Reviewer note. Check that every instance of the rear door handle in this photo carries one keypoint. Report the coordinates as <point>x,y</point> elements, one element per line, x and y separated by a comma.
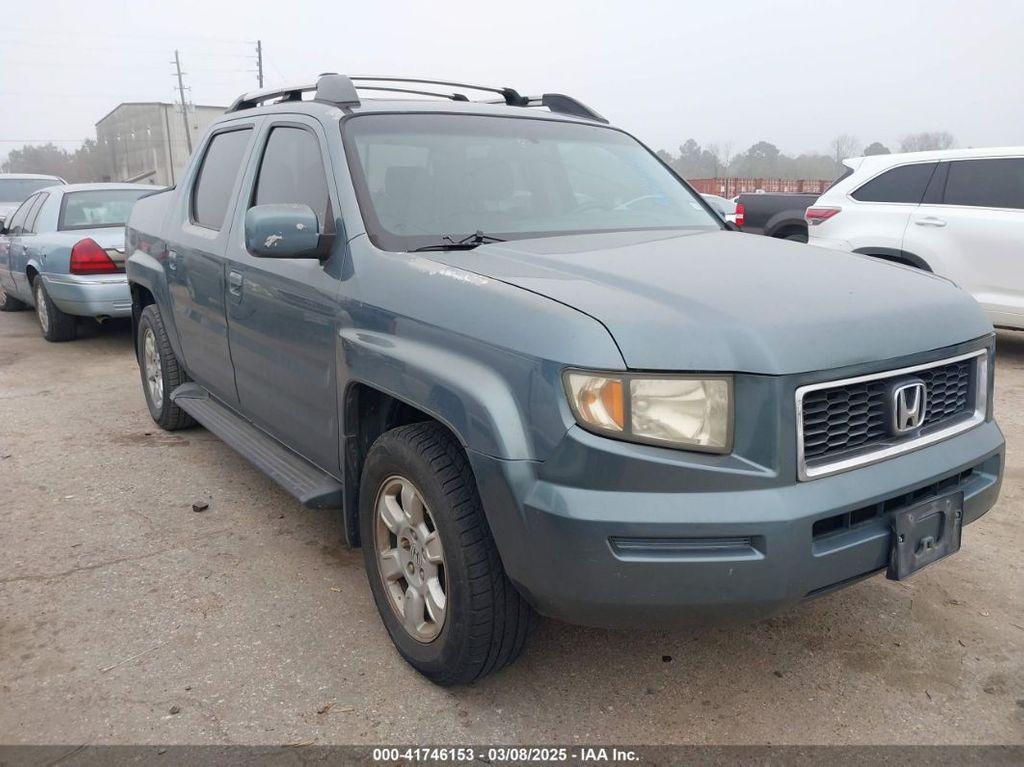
<point>930,221</point>
<point>235,283</point>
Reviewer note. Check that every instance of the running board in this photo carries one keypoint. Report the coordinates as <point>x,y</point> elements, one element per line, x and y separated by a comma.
<point>294,473</point>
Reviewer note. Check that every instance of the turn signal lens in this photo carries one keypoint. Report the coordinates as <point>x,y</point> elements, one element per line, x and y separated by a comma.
<point>599,402</point>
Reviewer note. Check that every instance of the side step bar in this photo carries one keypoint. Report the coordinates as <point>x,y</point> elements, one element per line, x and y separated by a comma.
<point>294,473</point>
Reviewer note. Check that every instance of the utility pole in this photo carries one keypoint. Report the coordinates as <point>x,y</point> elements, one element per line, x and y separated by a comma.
<point>259,62</point>
<point>184,106</point>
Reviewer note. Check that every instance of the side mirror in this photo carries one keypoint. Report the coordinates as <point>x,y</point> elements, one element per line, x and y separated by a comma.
<point>285,231</point>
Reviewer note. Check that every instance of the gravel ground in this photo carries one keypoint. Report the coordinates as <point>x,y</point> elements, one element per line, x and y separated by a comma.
<point>126,617</point>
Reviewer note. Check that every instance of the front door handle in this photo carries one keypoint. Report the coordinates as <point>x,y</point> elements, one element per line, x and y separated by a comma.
<point>930,221</point>
<point>235,283</point>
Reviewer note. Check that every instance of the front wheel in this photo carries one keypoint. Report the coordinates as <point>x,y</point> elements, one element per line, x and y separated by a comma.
<point>161,371</point>
<point>55,324</point>
<point>433,567</point>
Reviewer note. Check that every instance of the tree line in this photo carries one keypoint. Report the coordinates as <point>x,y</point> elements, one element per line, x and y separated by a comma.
<point>717,160</point>
<point>765,160</point>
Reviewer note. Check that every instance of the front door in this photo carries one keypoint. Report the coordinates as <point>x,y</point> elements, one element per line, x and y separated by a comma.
<point>282,313</point>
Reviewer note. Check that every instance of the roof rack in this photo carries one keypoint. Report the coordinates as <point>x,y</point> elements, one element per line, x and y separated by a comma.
<point>342,90</point>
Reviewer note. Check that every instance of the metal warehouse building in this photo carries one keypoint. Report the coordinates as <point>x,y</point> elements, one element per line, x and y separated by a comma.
<point>147,142</point>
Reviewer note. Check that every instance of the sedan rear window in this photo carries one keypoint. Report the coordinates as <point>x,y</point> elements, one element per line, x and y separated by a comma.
<point>97,208</point>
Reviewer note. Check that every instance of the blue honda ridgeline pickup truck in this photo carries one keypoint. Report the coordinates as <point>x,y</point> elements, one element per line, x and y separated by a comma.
<point>537,374</point>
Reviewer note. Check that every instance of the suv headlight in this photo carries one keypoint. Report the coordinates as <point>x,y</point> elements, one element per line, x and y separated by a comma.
<point>688,412</point>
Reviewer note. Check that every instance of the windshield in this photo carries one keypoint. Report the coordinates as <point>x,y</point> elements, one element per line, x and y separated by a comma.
<point>19,189</point>
<point>430,179</point>
<point>106,207</point>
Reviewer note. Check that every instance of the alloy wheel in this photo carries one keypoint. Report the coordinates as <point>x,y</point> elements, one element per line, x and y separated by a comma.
<point>410,559</point>
<point>152,368</point>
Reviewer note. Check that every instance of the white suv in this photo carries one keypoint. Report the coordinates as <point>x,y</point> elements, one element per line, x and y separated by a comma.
<point>958,213</point>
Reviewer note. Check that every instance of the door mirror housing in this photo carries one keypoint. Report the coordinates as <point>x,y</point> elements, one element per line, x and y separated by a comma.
<point>285,231</point>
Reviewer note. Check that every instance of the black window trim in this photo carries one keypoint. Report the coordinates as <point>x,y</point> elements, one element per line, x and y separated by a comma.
<point>889,168</point>
<point>948,163</point>
<point>194,182</point>
<point>329,226</point>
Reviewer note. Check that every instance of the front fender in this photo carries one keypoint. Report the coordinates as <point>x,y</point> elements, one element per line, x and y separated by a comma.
<point>475,400</point>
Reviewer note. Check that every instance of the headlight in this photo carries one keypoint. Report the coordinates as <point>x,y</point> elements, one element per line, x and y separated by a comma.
<point>689,412</point>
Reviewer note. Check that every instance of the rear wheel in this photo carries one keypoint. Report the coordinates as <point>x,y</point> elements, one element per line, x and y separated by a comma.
<point>432,564</point>
<point>55,324</point>
<point>161,372</point>
<point>9,303</point>
<point>797,237</point>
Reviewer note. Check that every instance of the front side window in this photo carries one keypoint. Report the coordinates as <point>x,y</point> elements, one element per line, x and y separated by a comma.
<point>216,180</point>
<point>903,184</point>
<point>97,208</point>
<point>292,172</point>
<point>995,183</point>
<point>428,179</point>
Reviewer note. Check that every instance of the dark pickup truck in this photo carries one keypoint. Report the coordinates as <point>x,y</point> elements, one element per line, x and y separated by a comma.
<point>776,215</point>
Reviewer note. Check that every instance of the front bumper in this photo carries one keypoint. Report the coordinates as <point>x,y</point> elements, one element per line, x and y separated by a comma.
<point>100,295</point>
<point>599,556</point>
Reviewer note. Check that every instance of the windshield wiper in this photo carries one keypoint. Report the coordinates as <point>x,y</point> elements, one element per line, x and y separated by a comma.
<point>466,243</point>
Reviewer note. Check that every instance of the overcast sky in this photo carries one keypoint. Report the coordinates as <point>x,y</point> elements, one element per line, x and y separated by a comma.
<point>793,73</point>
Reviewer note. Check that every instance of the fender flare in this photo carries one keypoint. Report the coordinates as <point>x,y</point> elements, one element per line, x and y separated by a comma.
<point>147,272</point>
<point>471,399</point>
<point>897,255</point>
<point>782,220</point>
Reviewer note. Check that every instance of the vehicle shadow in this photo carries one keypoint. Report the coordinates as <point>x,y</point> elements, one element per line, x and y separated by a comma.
<point>1010,346</point>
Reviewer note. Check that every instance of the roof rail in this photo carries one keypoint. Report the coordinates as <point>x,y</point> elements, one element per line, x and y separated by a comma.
<point>343,90</point>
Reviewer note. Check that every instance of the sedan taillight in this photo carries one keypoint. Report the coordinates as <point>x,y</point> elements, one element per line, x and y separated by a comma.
<point>87,257</point>
<point>815,216</point>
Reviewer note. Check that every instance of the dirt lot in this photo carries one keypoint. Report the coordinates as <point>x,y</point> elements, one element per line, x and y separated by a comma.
<point>253,622</point>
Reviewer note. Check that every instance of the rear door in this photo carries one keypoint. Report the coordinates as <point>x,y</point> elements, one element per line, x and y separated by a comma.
<point>196,246</point>
<point>885,204</point>
<point>282,313</point>
<point>15,256</point>
<point>973,233</point>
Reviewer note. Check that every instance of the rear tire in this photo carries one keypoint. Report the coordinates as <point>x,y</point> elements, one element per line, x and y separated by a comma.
<point>57,326</point>
<point>797,237</point>
<point>9,303</point>
<point>161,372</point>
<point>417,479</point>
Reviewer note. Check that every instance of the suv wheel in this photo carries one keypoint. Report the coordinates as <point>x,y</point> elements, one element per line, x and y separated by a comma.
<point>161,372</point>
<point>433,567</point>
<point>9,303</point>
<point>56,325</point>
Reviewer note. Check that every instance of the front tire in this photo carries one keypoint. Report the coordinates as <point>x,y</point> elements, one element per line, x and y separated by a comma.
<point>9,303</point>
<point>161,372</point>
<point>433,566</point>
<point>57,326</point>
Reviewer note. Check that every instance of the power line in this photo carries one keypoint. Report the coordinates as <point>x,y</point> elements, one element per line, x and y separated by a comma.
<point>184,104</point>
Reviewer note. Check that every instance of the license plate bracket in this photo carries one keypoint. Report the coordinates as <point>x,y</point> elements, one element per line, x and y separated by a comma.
<point>924,533</point>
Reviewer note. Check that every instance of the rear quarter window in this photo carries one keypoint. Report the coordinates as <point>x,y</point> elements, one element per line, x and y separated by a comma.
<point>905,183</point>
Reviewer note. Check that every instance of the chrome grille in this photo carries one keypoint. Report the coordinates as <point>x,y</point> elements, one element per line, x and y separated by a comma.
<point>842,424</point>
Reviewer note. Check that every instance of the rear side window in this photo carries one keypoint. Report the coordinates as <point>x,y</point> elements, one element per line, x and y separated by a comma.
<point>33,212</point>
<point>997,183</point>
<point>903,184</point>
<point>292,172</point>
<point>16,223</point>
<point>211,194</point>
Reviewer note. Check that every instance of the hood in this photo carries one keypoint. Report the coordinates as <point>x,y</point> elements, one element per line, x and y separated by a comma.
<point>724,301</point>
